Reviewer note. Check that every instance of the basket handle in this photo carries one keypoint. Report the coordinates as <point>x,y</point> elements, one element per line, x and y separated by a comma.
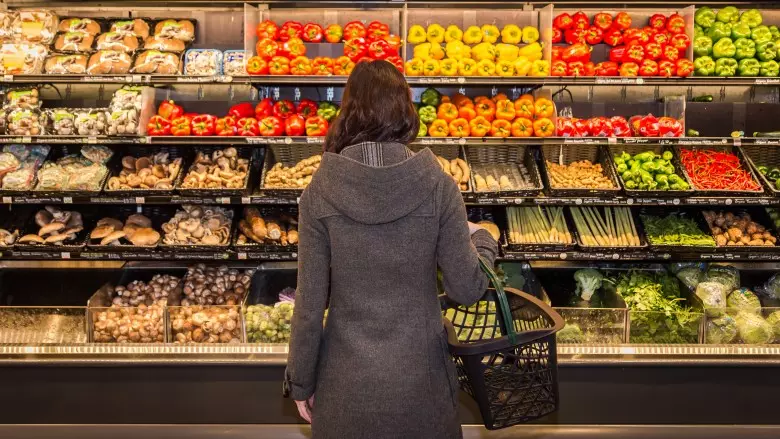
<point>503,303</point>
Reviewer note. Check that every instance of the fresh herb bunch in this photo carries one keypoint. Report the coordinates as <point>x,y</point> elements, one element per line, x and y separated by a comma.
<point>675,230</point>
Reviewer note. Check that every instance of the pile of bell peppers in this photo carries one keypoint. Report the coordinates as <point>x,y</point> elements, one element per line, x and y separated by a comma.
<point>657,49</point>
<point>499,116</point>
<point>733,43</point>
<point>266,118</point>
<point>618,126</point>
<point>281,50</point>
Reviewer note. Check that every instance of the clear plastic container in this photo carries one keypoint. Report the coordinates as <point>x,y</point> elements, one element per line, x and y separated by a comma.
<point>206,324</point>
<point>593,325</point>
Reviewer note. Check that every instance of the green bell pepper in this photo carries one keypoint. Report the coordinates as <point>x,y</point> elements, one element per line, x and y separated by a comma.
<point>766,51</point>
<point>427,114</point>
<point>761,34</point>
<point>749,67</point>
<point>719,30</point>
<point>745,48</point>
<point>769,68</point>
<point>740,30</point>
<point>729,14</point>
<point>327,111</point>
<point>751,17</point>
<point>698,31</point>
<point>704,17</point>
<point>704,66</point>
<point>702,46</point>
<point>775,32</point>
<point>431,97</point>
<point>724,48</point>
<point>423,130</point>
<point>726,67</point>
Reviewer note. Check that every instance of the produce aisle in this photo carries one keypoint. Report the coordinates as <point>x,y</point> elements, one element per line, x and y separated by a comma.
<point>627,160</point>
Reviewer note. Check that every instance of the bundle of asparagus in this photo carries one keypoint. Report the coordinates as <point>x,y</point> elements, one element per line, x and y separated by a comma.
<point>605,227</point>
<point>537,225</point>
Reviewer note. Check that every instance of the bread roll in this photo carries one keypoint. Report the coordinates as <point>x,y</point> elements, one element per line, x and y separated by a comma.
<point>117,41</point>
<point>79,42</point>
<point>87,25</point>
<point>164,44</point>
<point>135,28</point>
<point>60,64</point>
<point>107,62</point>
<point>153,61</point>
<point>177,29</point>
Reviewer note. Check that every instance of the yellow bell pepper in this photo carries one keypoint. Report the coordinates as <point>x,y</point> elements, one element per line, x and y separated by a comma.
<point>457,50</point>
<point>416,34</point>
<point>490,33</point>
<point>505,68</point>
<point>431,67</point>
<point>483,51</point>
<point>467,67</point>
<point>540,68</point>
<point>486,67</point>
<point>453,33</point>
<point>435,33</point>
<point>422,51</point>
<point>530,34</point>
<point>522,66</point>
<point>449,67</point>
<point>511,34</point>
<point>437,52</point>
<point>414,67</point>
<point>473,35</point>
<point>532,51</point>
<point>508,52</point>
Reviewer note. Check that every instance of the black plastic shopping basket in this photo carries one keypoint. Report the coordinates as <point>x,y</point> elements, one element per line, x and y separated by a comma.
<point>504,350</point>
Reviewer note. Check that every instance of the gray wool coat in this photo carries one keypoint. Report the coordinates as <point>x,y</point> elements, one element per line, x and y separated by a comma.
<point>371,237</point>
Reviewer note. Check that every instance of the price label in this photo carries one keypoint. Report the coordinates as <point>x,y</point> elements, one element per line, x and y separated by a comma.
<point>729,201</point>
<point>65,255</point>
<point>314,140</point>
<point>7,200</point>
<point>246,200</point>
<point>26,139</point>
<point>8,78</point>
<point>676,201</point>
<point>298,200</point>
<point>223,200</point>
<point>563,256</point>
<point>67,200</point>
<point>767,142</point>
<point>241,255</point>
<point>254,140</point>
<point>617,81</point>
<point>630,201</point>
<point>137,78</point>
<point>140,200</point>
<point>767,81</point>
<point>91,140</point>
<point>612,140</point>
<point>578,201</point>
<point>737,141</point>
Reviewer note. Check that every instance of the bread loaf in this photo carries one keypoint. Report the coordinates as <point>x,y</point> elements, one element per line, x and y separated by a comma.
<point>135,28</point>
<point>86,25</point>
<point>153,61</point>
<point>164,44</point>
<point>107,62</point>
<point>79,42</point>
<point>117,41</point>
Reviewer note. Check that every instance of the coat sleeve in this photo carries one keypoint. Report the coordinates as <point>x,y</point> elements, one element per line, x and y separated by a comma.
<point>456,252</point>
<point>311,298</point>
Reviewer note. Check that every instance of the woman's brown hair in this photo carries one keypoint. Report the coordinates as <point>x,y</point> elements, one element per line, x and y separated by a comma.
<point>376,107</point>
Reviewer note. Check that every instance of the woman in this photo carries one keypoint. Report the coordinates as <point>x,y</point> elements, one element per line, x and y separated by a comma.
<point>374,224</point>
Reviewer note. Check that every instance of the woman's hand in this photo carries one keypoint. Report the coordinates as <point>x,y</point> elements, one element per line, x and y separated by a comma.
<point>305,407</point>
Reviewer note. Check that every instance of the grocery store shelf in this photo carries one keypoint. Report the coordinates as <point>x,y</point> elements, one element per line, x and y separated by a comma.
<point>157,254</point>
<point>627,254</point>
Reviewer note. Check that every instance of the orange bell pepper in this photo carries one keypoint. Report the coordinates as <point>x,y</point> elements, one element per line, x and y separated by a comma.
<point>522,127</point>
<point>544,107</point>
<point>524,107</point>
<point>467,113</point>
<point>300,66</point>
<point>479,126</point>
<point>439,128</point>
<point>499,97</point>
<point>544,127</point>
<point>457,98</point>
<point>501,128</point>
<point>446,100</point>
<point>487,109</point>
<point>505,109</point>
<point>447,112</point>
<point>459,128</point>
<point>480,98</point>
<point>465,103</point>
<point>527,96</point>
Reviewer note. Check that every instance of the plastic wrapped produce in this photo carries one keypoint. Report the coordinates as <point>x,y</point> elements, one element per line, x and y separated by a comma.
<point>127,97</point>
<point>66,64</point>
<point>22,59</point>
<point>743,300</point>
<point>153,61</point>
<point>25,122</point>
<point>29,159</point>
<point>753,329</point>
<point>35,26</point>
<point>123,122</point>
<point>86,25</point>
<point>138,27</point>
<point>62,121</point>
<point>774,320</point>
<point>72,172</point>
<point>164,44</point>
<point>6,20</point>
<point>203,62</point>
<point>117,41</point>
<point>713,297</point>
<point>109,62</point>
<point>722,330</point>
<point>97,153</point>
<point>725,275</point>
<point>771,288</point>
<point>28,97</point>
<point>234,63</point>
<point>690,277</point>
<point>74,42</point>
<point>90,121</point>
<point>183,30</point>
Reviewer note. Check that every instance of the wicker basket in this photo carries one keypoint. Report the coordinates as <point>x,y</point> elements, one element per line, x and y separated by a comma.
<point>244,152</point>
<point>510,160</point>
<point>758,155</point>
<point>449,152</point>
<point>567,154</point>
<point>288,155</point>
<point>656,149</point>
<point>144,151</point>
<point>725,192</point>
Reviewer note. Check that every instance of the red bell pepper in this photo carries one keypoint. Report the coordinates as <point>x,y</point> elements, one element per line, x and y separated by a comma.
<point>290,29</point>
<point>283,109</point>
<point>648,67</point>
<point>316,126</point>
<point>594,36</point>
<point>661,38</point>
<point>600,127</point>
<point>580,20</point>
<point>557,53</point>
<point>680,41</point>
<point>684,67</point>
<point>634,53</point>
<point>354,29</point>
<point>669,127</point>
<point>639,36</point>
<point>558,68</point>
<point>396,61</point>
<point>267,29</point>
<point>622,20</point>
<point>293,48</point>
<point>271,126</point>
<point>322,66</point>
<point>279,65</point>
<point>653,51</point>
<point>394,41</point>
<point>312,33</point>
<point>203,125</point>
<point>658,21</point>
<point>264,108</point>
<point>333,33</point>
<point>247,127</point>
<point>620,126</point>
<point>355,48</point>
<point>629,69</point>
<point>576,68</point>
<point>181,126</point>
<point>582,126</point>
<point>575,35</point>
<point>576,52</point>
<point>158,126</point>
<point>379,49</point>
<point>267,48</point>
<point>563,21</point>
<point>666,68</point>
<point>300,66</point>
<point>244,109</point>
<point>603,21</point>
<point>306,108</point>
<point>606,68</point>
<point>557,35</point>
<point>294,125</point>
<point>613,37</point>
<point>676,24</point>
<point>225,126</point>
<point>343,66</point>
<point>670,53</point>
<point>648,126</point>
<point>590,69</point>
<point>257,66</point>
<point>377,31</point>
<point>169,110</point>
<point>564,127</point>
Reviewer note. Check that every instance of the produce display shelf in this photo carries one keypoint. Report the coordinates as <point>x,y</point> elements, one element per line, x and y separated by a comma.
<point>628,255</point>
<point>149,255</point>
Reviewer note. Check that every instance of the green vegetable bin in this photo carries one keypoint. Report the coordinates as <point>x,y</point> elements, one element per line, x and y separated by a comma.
<point>633,150</point>
<point>691,213</point>
<point>761,155</point>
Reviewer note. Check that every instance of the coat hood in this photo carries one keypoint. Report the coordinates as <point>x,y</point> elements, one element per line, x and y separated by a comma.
<point>377,195</point>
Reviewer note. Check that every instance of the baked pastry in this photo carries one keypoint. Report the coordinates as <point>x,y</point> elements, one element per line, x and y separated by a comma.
<point>117,41</point>
<point>134,28</point>
<point>177,29</point>
<point>79,42</point>
<point>87,25</point>
<point>154,61</point>
<point>62,64</point>
<point>164,44</point>
<point>107,62</point>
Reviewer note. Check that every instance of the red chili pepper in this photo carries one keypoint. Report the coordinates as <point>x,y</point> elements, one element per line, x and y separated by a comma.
<point>244,109</point>
<point>226,126</point>
<point>306,108</point>
<point>354,29</point>
<point>158,126</point>
<point>290,29</point>
<point>709,169</point>
<point>203,125</point>
<point>312,33</point>
<point>377,31</point>
<point>294,125</point>
<point>284,108</point>
<point>247,127</point>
